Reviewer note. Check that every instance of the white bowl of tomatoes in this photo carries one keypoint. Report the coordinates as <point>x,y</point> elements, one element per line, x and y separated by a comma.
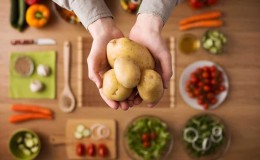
<point>204,85</point>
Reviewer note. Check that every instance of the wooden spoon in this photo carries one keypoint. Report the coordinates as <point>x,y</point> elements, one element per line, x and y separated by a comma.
<point>67,100</point>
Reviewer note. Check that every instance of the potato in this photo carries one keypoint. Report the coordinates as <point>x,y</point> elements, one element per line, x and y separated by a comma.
<point>114,90</point>
<point>127,72</point>
<point>150,87</point>
<point>124,47</point>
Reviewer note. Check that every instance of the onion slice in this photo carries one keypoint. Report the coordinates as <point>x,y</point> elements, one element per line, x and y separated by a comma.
<point>206,144</point>
<point>217,131</point>
<point>99,131</point>
<point>187,131</point>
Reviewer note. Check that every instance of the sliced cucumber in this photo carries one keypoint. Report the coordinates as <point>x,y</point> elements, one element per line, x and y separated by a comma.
<point>78,135</point>
<point>26,152</point>
<point>214,41</point>
<point>29,143</point>
<point>86,132</point>
<point>34,149</point>
<point>80,128</point>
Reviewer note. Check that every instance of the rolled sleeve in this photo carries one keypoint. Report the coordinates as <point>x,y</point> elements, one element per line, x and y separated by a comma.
<point>161,8</point>
<point>88,11</point>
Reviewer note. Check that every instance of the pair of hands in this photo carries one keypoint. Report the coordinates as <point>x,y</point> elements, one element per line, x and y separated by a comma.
<point>146,31</point>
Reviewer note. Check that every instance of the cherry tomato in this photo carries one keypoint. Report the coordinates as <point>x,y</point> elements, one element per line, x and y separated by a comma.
<point>191,94</point>
<point>213,100</point>
<point>80,149</point>
<point>205,106</point>
<point>213,82</point>
<point>146,144</point>
<point>206,88</point>
<point>205,75</point>
<point>200,84</point>
<point>132,6</point>
<point>153,135</point>
<point>194,79</point>
<point>145,137</point>
<point>213,68</point>
<point>91,150</point>
<point>31,2</point>
<point>200,101</point>
<point>210,95</point>
<point>102,150</point>
<point>222,88</point>
<point>211,2</point>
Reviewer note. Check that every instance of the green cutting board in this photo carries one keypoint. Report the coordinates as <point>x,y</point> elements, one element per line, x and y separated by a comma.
<point>20,86</point>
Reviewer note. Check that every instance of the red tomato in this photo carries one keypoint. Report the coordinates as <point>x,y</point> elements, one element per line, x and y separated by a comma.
<point>211,2</point>
<point>153,135</point>
<point>213,100</point>
<point>214,74</point>
<point>196,4</point>
<point>102,150</point>
<point>205,75</point>
<point>200,84</point>
<point>213,82</point>
<point>200,101</point>
<point>80,149</point>
<point>206,81</point>
<point>132,6</point>
<point>146,144</point>
<point>222,88</point>
<point>145,137</point>
<point>213,68</point>
<point>91,150</point>
<point>210,95</point>
<point>194,79</point>
<point>205,106</point>
<point>31,2</point>
<point>191,95</point>
<point>206,88</point>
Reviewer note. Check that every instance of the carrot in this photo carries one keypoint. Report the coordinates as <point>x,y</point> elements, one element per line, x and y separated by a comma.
<point>28,116</point>
<point>207,23</point>
<point>199,17</point>
<point>31,108</point>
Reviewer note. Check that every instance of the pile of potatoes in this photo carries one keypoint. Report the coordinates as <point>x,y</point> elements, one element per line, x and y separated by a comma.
<point>132,66</point>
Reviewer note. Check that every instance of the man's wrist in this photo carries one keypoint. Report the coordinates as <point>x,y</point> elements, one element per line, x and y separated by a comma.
<point>101,26</point>
<point>151,21</point>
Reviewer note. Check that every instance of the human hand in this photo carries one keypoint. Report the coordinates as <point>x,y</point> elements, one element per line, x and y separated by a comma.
<point>102,31</point>
<point>147,31</point>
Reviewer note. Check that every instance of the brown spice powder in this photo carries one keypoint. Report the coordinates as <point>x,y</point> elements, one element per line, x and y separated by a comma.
<point>66,101</point>
<point>23,66</point>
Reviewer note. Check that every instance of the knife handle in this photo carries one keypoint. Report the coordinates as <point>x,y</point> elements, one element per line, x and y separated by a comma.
<point>22,42</point>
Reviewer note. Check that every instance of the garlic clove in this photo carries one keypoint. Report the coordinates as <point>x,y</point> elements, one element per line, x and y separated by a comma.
<point>43,70</point>
<point>36,86</point>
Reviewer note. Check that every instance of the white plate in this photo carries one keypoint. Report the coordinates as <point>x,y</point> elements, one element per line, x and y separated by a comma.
<point>192,102</point>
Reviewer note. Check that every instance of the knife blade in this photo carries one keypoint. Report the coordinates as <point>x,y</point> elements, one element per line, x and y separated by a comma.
<point>40,41</point>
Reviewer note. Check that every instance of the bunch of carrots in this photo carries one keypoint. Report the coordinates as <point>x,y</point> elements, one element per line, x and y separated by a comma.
<point>30,113</point>
<point>208,19</point>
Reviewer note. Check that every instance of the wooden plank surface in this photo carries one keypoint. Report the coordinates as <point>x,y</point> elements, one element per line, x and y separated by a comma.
<point>241,62</point>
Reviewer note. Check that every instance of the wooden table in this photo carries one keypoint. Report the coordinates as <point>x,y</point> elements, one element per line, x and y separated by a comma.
<point>241,61</point>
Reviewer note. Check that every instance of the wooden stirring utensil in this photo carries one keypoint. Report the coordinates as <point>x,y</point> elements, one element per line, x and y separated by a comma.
<point>67,100</point>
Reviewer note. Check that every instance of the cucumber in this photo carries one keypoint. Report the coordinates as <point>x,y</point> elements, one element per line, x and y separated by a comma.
<point>14,13</point>
<point>214,41</point>
<point>22,10</point>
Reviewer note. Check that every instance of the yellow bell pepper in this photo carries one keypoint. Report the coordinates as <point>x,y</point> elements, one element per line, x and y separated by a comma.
<point>37,15</point>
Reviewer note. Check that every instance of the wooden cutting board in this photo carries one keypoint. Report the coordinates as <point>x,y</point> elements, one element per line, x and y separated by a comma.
<point>70,141</point>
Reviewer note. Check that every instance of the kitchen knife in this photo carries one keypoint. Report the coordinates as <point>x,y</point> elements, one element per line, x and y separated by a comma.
<point>41,41</point>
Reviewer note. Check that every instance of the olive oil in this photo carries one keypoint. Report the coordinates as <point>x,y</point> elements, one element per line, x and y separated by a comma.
<point>189,43</point>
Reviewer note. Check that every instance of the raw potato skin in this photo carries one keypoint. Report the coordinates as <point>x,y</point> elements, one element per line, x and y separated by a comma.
<point>127,72</point>
<point>124,47</point>
<point>150,87</point>
<point>114,90</point>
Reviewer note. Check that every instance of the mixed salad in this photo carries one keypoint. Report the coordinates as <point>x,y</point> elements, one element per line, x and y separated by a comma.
<point>148,138</point>
<point>204,135</point>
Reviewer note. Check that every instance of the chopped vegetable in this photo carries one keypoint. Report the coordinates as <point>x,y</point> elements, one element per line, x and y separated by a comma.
<point>214,41</point>
<point>207,143</point>
<point>139,138</point>
<point>202,16</point>
<point>82,132</point>
<point>201,24</point>
<point>28,144</point>
<point>99,131</point>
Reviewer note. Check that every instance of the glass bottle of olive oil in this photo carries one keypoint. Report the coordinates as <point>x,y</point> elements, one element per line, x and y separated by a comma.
<point>189,43</point>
